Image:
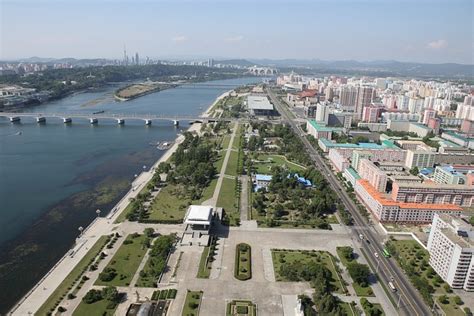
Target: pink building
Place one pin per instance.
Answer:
(376, 177)
(427, 115)
(340, 162)
(371, 114)
(467, 127)
(435, 124)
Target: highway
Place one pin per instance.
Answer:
(409, 300)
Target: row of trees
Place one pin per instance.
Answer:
(109, 293)
(159, 252)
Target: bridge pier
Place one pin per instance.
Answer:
(147, 122)
(120, 121)
(41, 119)
(175, 122)
(93, 120)
(14, 119)
(67, 120)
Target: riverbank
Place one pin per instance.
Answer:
(36, 297)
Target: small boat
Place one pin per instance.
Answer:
(98, 112)
(19, 133)
(164, 145)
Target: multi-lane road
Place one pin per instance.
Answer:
(406, 297)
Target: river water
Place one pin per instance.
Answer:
(54, 176)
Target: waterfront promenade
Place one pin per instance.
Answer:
(33, 300)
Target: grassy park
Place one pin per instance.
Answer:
(265, 162)
(243, 262)
(125, 262)
(228, 199)
(192, 303)
(73, 276)
(304, 257)
(98, 308)
(241, 308)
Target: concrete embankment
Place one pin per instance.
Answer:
(35, 298)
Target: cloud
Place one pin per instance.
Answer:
(237, 38)
(439, 44)
(179, 39)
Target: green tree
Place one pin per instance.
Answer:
(414, 171)
(359, 273)
(110, 293)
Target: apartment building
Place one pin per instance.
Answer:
(376, 177)
(433, 193)
(451, 248)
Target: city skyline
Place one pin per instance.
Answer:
(401, 30)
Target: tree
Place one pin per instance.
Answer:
(359, 273)
(149, 232)
(110, 293)
(443, 299)
(92, 296)
(458, 300)
(347, 253)
(471, 220)
(414, 171)
(108, 274)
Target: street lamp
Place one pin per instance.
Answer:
(80, 230)
(97, 212)
(144, 167)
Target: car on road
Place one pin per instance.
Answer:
(361, 236)
(392, 287)
(376, 254)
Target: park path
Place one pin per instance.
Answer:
(244, 197)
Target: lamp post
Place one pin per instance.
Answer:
(97, 212)
(80, 230)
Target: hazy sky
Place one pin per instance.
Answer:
(407, 30)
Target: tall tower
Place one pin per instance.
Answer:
(137, 60)
(125, 57)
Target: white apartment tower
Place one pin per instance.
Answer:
(451, 248)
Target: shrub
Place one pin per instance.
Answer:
(61, 309)
(458, 300)
(92, 296)
(108, 274)
(193, 305)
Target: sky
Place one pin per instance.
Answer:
(429, 31)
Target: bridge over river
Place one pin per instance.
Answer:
(120, 118)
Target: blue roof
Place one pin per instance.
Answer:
(263, 177)
(353, 173)
(301, 180)
(330, 144)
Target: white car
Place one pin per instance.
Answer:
(376, 254)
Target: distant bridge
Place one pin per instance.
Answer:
(118, 117)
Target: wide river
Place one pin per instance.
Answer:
(54, 176)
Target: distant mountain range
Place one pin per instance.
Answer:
(395, 68)
(379, 67)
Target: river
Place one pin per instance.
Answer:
(54, 176)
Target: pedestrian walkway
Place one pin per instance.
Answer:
(244, 197)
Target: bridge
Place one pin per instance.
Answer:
(120, 118)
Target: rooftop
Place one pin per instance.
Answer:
(353, 173)
(323, 128)
(258, 103)
(199, 214)
(383, 200)
(263, 177)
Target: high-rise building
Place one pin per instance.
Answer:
(322, 113)
(371, 113)
(210, 62)
(137, 60)
(427, 114)
(466, 109)
(451, 248)
(381, 83)
(348, 96)
(364, 98)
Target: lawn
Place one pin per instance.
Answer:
(126, 261)
(204, 265)
(306, 256)
(123, 215)
(232, 163)
(98, 308)
(169, 204)
(75, 274)
(451, 308)
(244, 308)
(192, 303)
(266, 162)
(243, 262)
(228, 200)
(360, 290)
